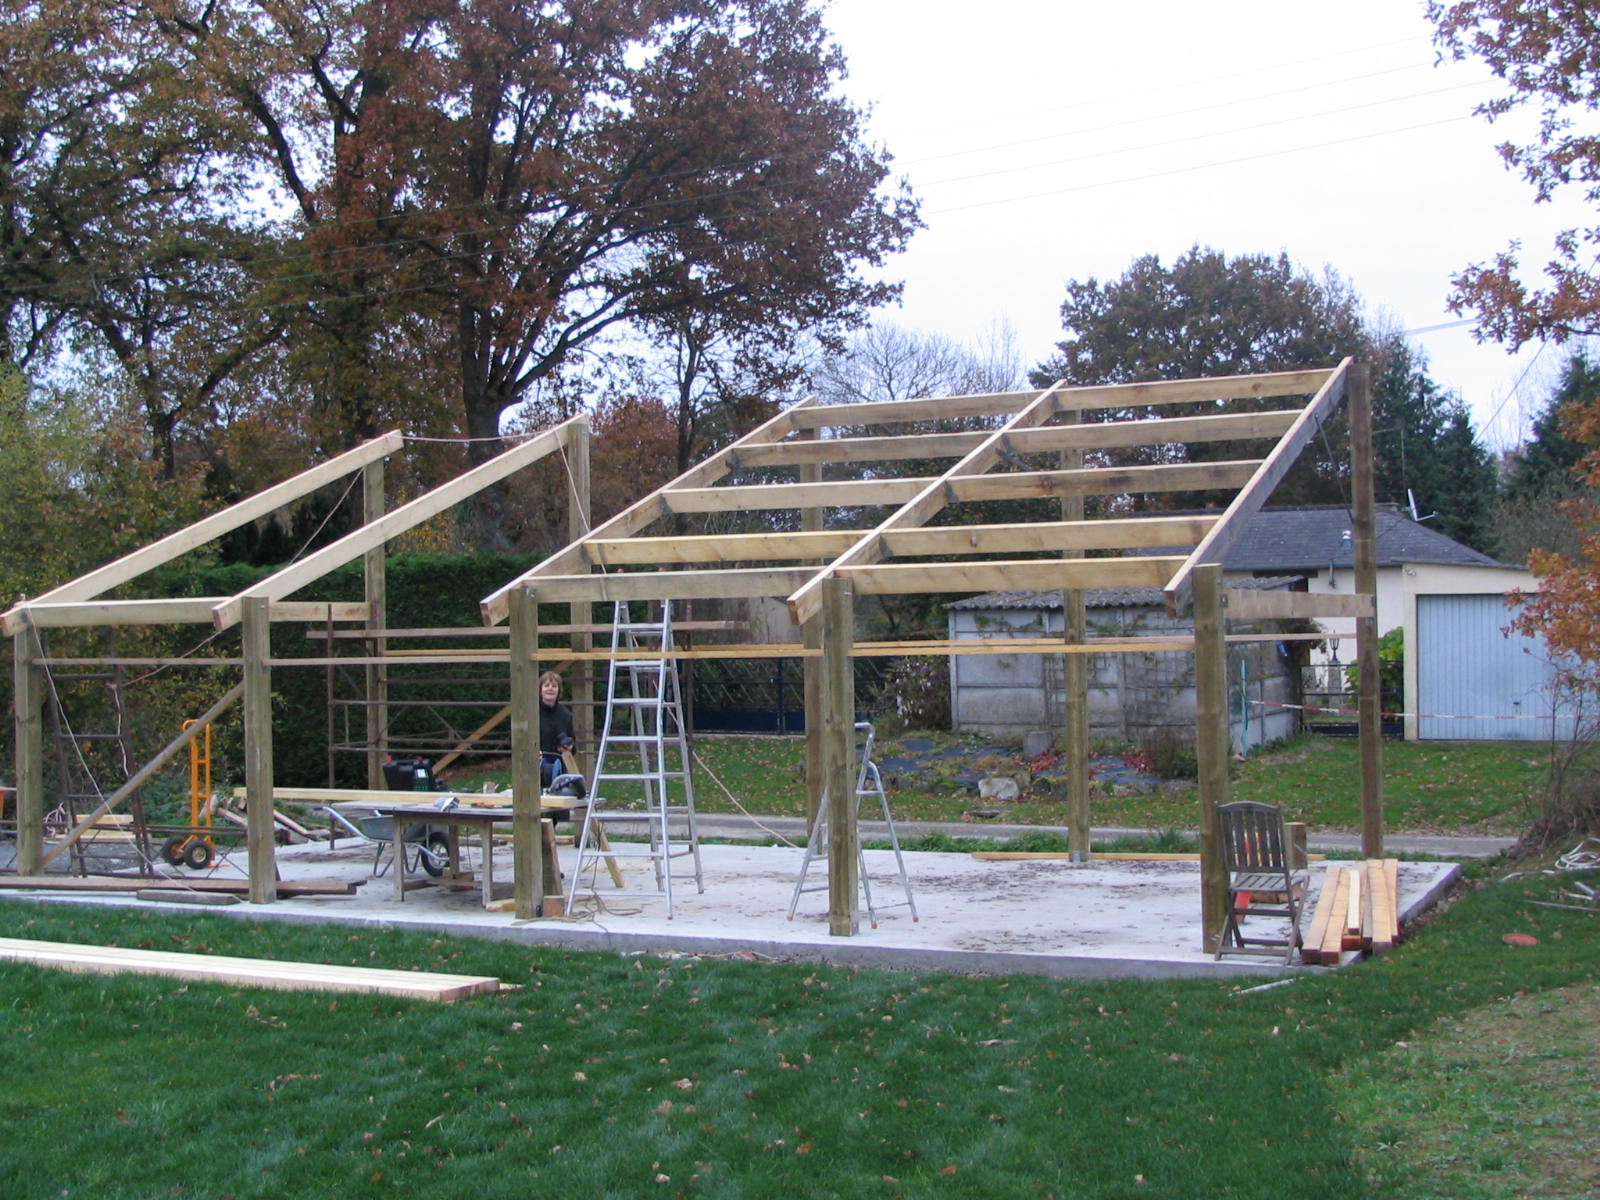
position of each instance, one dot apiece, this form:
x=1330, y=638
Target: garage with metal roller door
x=1475, y=681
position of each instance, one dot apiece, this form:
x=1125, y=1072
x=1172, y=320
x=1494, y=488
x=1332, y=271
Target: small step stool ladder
x=868, y=783
x=642, y=745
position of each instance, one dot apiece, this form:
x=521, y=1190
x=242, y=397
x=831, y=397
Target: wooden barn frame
x=785, y=478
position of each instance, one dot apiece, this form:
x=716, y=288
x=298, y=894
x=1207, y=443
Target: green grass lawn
x=1449, y=787
x=598, y=1075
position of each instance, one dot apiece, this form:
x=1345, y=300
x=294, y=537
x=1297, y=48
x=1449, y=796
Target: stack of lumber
x=1356, y=911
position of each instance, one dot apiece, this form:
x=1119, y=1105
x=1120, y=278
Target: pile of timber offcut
x=1357, y=911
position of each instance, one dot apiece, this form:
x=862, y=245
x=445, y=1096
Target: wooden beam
x=859, y=449
x=1030, y=574
x=1075, y=672
x=1259, y=604
x=1192, y=391
x=28, y=701
x=245, y=972
x=721, y=547
x=1369, y=696
x=528, y=887
x=130, y=566
x=581, y=685
x=256, y=650
x=1104, y=481
x=354, y=545
x=1163, y=431
x=375, y=591
x=1212, y=746
x=761, y=497
x=1255, y=493
x=672, y=585
x=75, y=614
x=838, y=718
x=900, y=412
x=1111, y=533
x=639, y=515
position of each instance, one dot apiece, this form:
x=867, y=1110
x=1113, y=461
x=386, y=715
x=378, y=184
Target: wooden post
x=29, y=692
x=1369, y=702
x=581, y=690
x=261, y=832
x=1075, y=679
x=811, y=667
x=1211, y=742
x=838, y=756
x=527, y=869
x=812, y=688
x=375, y=581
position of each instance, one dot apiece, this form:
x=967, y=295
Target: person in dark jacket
x=555, y=728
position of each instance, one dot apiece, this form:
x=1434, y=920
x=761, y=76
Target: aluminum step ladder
x=868, y=783
x=643, y=748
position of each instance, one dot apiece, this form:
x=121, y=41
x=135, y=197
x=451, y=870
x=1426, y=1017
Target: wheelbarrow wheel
x=437, y=855
x=197, y=855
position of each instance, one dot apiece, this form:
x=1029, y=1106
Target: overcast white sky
x=1056, y=141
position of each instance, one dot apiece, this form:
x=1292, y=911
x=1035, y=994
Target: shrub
x=917, y=691
x=1170, y=754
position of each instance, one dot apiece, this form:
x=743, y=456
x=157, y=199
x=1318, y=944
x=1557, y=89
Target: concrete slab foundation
x=1103, y=919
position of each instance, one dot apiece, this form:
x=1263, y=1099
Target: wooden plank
x=900, y=412
x=1163, y=431
x=1113, y=533
x=1391, y=874
x=130, y=566
x=761, y=497
x=725, y=547
x=1258, y=490
x=1385, y=923
x=245, y=972
x=1189, y=391
x=129, y=883
x=1034, y=574
x=78, y=614
x=1351, y=921
x=318, y=613
x=1322, y=917
x=858, y=449
x=1259, y=604
x=1105, y=481
x=671, y=585
x=376, y=533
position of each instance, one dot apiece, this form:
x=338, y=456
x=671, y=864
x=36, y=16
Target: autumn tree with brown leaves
x=1548, y=56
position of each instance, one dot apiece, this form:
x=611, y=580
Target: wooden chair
x=1261, y=880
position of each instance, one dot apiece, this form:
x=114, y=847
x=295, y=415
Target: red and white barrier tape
x=1352, y=712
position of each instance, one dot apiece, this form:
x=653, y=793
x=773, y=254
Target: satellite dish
x=1412, y=497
